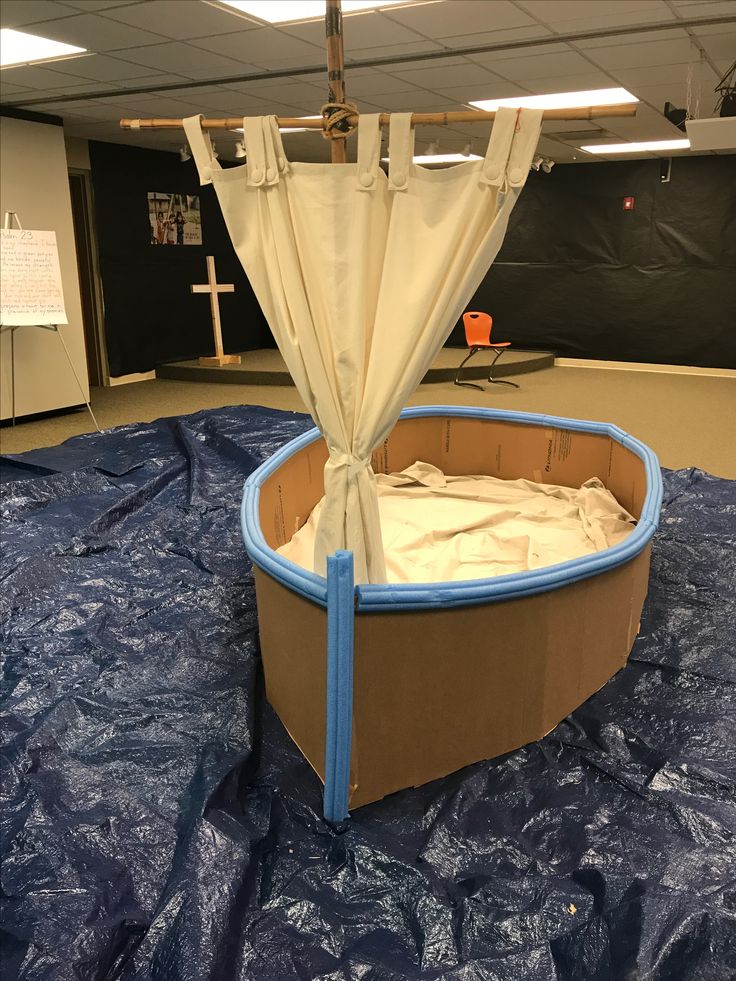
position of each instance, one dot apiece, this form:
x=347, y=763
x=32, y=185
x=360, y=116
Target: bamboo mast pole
x=338, y=133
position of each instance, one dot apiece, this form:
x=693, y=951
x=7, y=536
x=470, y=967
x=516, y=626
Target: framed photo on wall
x=175, y=219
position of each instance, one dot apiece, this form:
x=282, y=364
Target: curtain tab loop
x=526, y=137
x=499, y=147
x=255, y=150
x=400, y=150
x=201, y=147
x=369, y=151
x=274, y=151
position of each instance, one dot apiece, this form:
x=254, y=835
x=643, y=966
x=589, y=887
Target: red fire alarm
x=628, y=204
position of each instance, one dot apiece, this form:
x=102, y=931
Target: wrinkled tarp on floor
x=158, y=822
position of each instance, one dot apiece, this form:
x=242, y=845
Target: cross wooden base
x=219, y=360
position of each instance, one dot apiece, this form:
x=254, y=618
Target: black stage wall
x=580, y=276
x=150, y=314
x=577, y=274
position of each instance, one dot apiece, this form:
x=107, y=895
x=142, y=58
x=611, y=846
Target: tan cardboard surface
x=438, y=689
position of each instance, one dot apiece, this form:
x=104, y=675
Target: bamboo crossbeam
x=417, y=119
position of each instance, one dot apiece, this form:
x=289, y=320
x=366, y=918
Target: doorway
x=89, y=278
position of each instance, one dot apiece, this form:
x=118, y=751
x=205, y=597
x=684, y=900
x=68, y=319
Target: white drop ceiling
x=136, y=44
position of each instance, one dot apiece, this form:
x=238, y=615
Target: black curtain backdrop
x=577, y=274
x=580, y=276
x=151, y=315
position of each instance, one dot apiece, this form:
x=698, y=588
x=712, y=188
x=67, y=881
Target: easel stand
x=10, y=217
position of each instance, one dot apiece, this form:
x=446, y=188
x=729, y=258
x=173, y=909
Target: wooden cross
x=214, y=288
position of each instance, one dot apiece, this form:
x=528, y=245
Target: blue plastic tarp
x=158, y=822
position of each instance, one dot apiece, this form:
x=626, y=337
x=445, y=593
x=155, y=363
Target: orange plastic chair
x=478, y=338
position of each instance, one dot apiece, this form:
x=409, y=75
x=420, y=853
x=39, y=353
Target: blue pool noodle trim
x=340, y=646
x=413, y=596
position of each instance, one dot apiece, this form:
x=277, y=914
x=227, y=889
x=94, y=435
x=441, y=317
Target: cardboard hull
x=440, y=683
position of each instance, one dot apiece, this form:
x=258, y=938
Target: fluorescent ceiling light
x=439, y=158
x=560, y=100
x=281, y=11
x=646, y=147
x=18, y=48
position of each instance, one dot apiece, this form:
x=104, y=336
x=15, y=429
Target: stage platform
x=266, y=367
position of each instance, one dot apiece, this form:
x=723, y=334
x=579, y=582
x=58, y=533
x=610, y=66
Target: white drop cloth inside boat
x=438, y=528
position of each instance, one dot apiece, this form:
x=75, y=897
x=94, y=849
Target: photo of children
x=174, y=219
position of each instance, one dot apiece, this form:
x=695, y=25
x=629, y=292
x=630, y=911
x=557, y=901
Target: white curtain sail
x=361, y=278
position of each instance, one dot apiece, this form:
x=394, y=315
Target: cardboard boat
x=384, y=687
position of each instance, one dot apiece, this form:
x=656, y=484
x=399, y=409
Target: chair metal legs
x=491, y=379
x=473, y=350
x=498, y=381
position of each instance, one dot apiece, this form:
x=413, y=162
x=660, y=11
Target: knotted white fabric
x=361, y=279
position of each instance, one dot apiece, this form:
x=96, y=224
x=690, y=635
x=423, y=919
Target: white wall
x=34, y=183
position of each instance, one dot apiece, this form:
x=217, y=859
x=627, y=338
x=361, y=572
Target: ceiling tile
x=554, y=47
x=159, y=106
x=216, y=99
x=103, y=5
x=429, y=62
x=657, y=95
x=291, y=93
x=496, y=88
x=102, y=67
x=365, y=86
x=565, y=16
x=649, y=124
x=264, y=46
x=441, y=75
x=181, y=21
x=7, y=89
x=97, y=33
x=34, y=77
x=440, y=20
x=27, y=96
x=367, y=29
x=627, y=39
x=706, y=29
x=721, y=46
x=651, y=75
x=18, y=13
x=185, y=60
x=123, y=98
x=390, y=51
x=539, y=64
x=500, y=37
x=86, y=110
x=161, y=78
x=688, y=10
x=635, y=55
x=94, y=86
x=568, y=83
x=420, y=100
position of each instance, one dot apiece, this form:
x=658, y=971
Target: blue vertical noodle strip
x=340, y=647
